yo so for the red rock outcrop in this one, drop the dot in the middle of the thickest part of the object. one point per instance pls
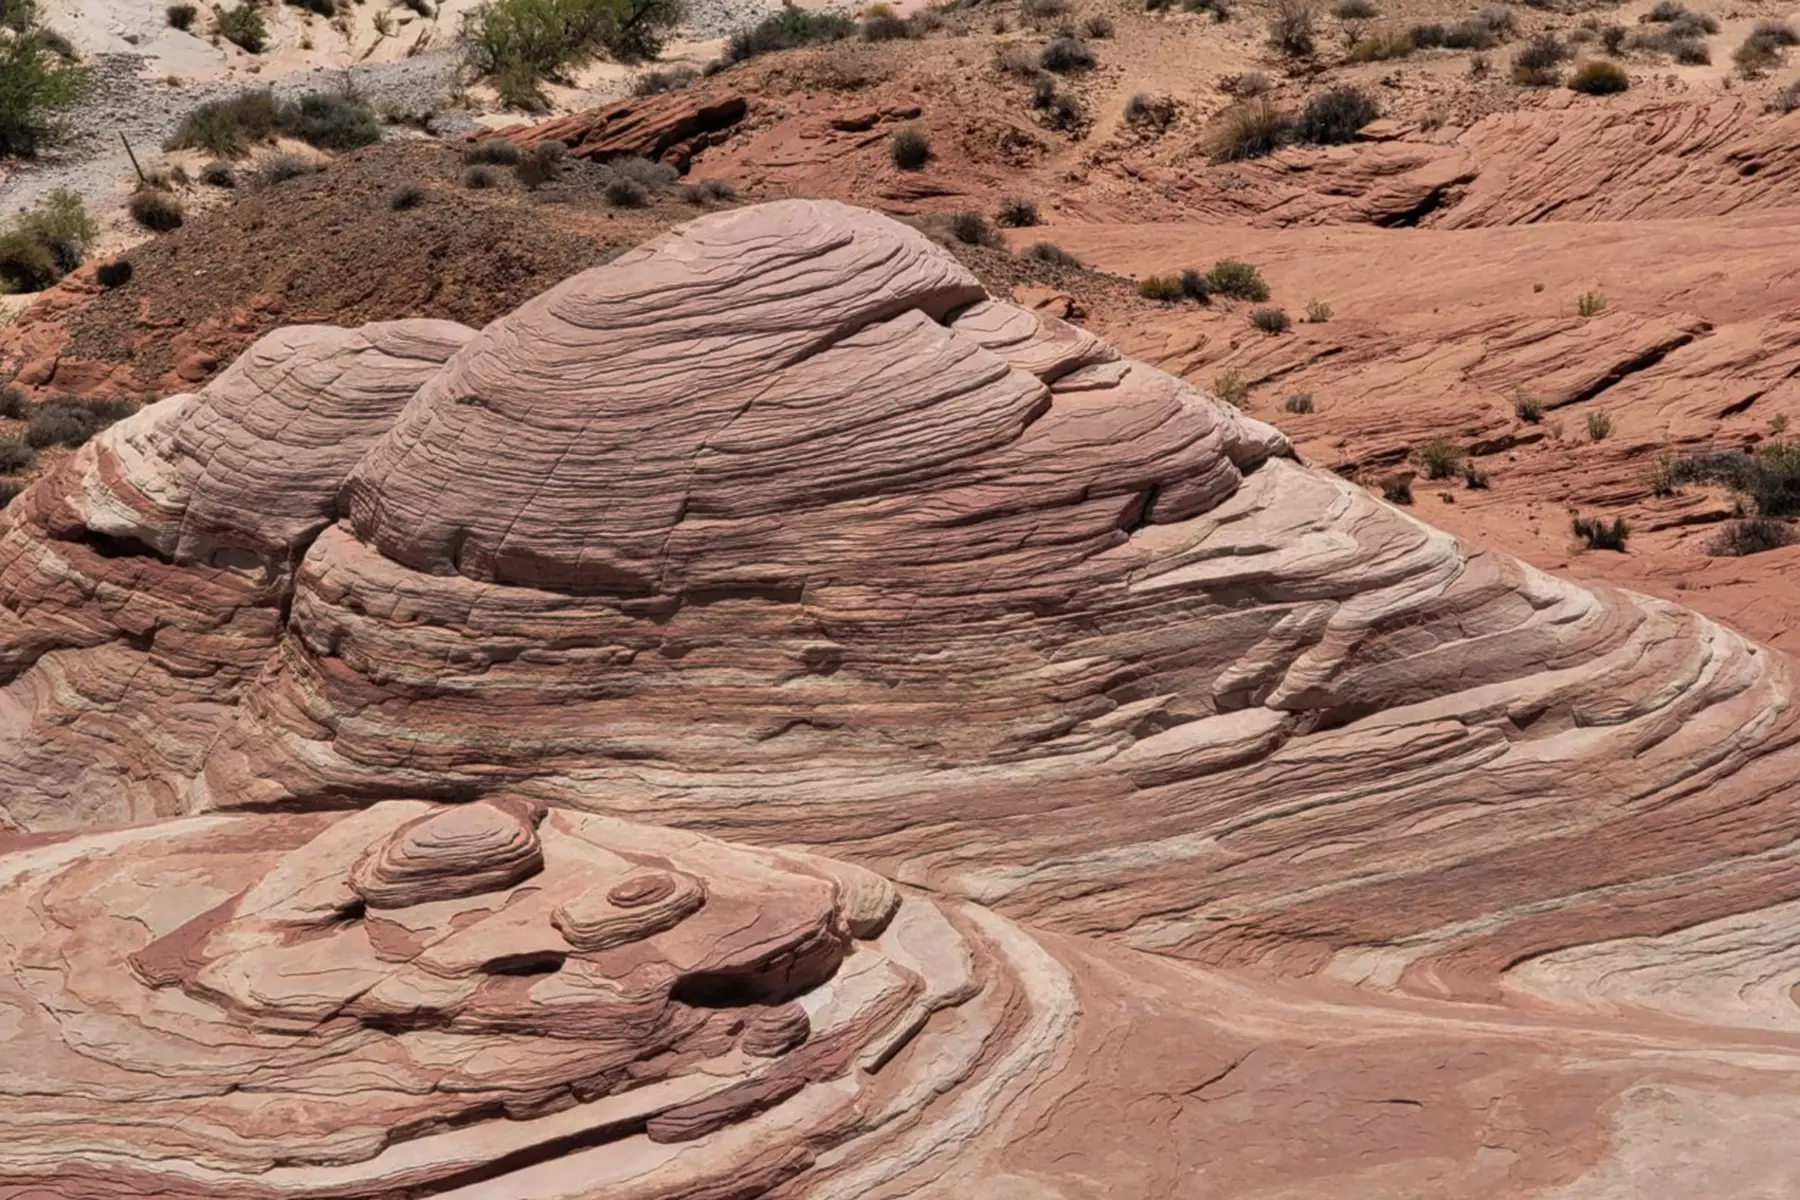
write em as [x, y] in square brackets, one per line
[780, 529]
[670, 127]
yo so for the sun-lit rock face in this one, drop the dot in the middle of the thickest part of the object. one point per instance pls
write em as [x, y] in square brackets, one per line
[779, 530]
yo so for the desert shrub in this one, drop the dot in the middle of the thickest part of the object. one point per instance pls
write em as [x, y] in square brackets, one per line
[479, 178]
[1427, 36]
[1774, 34]
[1017, 61]
[228, 127]
[1535, 65]
[63, 424]
[1040, 12]
[1396, 488]
[1231, 387]
[1335, 116]
[708, 191]
[1599, 535]
[181, 16]
[884, 29]
[497, 151]
[1528, 409]
[1751, 535]
[38, 83]
[1016, 212]
[1599, 425]
[1590, 304]
[1300, 403]
[1470, 35]
[1599, 77]
[1239, 280]
[1270, 320]
[910, 148]
[329, 122]
[115, 273]
[280, 168]
[218, 173]
[657, 176]
[1247, 86]
[540, 164]
[1098, 27]
[1664, 10]
[9, 492]
[1612, 39]
[1755, 59]
[1195, 286]
[1250, 130]
[1770, 478]
[13, 403]
[15, 456]
[26, 264]
[155, 210]
[1150, 112]
[1063, 111]
[972, 229]
[622, 191]
[243, 27]
[1291, 28]
[407, 196]
[1164, 289]
[1474, 478]
[1384, 45]
[1220, 9]
[1053, 255]
[57, 233]
[785, 30]
[1317, 312]
[1355, 10]
[1787, 99]
[519, 43]
[663, 79]
[1066, 55]
[1440, 458]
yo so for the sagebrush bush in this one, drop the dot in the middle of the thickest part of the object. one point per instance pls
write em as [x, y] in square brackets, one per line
[115, 273]
[1396, 488]
[663, 79]
[181, 16]
[1429, 35]
[479, 178]
[1355, 10]
[1099, 27]
[1334, 117]
[708, 191]
[1239, 280]
[1599, 77]
[43, 244]
[1016, 212]
[1063, 112]
[622, 191]
[1384, 45]
[785, 30]
[279, 168]
[1751, 535]
[972, 229]
[1252, 129]
[60, 423]
[243, 27]
[1053, 255]
[1439, 458]
[1150, 112]
[1196, 287]
[155, 210]
[910, 148]
[1590, 304]
[1599, 535]
[1300, 403]
[885, 29]
[495, 151]
[15, 456]
[1769, 478]
[1291, 28]
[1528, 409]
[1787, 99]
[1270, 320]
[520, 43]
[543, 162]
[1066, 55]
[1164, 289]
[228, 127]
[1535, 65]
[329, 122]
[407, 196]
[1599, 425]
[218, 173]
[1231, 387]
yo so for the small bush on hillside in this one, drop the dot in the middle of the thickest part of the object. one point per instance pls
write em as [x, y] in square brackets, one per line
[1271, 320]
[910, 149]
[228, 127]
[1396, 488]
[1775, 34]
[243, 27]
[1099, 27]
[1220, 9]
[1232, 388]
[155, 210]
[407, 196]
[1053, 255]
[1252, 129]
[1384, 45]
[1066, 55]
[1599, 425]
[1300, 403]
[1063, 112]
[218, 173]
[496, 151]
[543, 162]
[181, 16]
[62, 424]
[1535, 65]
[1770, 477]
[9, 492]
[1751, 535]
[1590, 304]
[59, 230]
[1040, 12]
[1355, 10]
[1164, 289]
[1470, 35]
[885, 29]
[1016, 212]
[785, 30]
[1291, 28]
[113, 274]
[1196, 287]
[663, 79]
[708, 191]
[15, 456]
[1599, 77]
[1787, 99]
[1528, 409]
[1155, 113]
[1601, 536]
[622, 191]
[280, 168]
[329, 122]
[13, 403]
[972, 229]
[1427, 36]
[1755, 60]
[1440, 458]
[38, 83]
[479, 178]
[1317, 312]
[1334, 117]
[1239, 280]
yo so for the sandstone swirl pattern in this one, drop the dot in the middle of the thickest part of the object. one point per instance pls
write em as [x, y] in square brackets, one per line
[1457, 879]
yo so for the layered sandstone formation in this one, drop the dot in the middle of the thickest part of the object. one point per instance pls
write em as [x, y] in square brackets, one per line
[781, 530]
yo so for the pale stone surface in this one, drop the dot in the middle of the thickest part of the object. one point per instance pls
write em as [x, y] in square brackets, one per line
[778, 529]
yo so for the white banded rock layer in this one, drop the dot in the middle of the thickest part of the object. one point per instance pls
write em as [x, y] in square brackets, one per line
[780, 529]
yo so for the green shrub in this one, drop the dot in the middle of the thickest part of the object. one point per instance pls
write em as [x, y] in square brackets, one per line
[1196, 287]
[62, 424]
[243, 27]
[1291, 28]
[1439, 458]
[26, 264]
[1066, 55]
[1601, 536]
[1239, 280]
[1528, 409]
[1770, 477]
[1599, 77]
[1535, 65]
[1053, 255]
[227, 128]
[155, 210]
[478, 178]
[1231, 387]
[15, 456]
[181, 16]
[1590, 304]
[1250, 130]
[14, 405]
[910, 149]
[785, 30]
[1270, 320]
[280, 168]
[330, 122]
[497, 151]
[1099, 27]
[1599, 425]
[1751, 535]
[1334, 117]
[972, 229]
[45, 243]
[1317, 312]
[1016, 212]
[1164, 289]
[37, 84]
[519, 43]
[622, 191]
